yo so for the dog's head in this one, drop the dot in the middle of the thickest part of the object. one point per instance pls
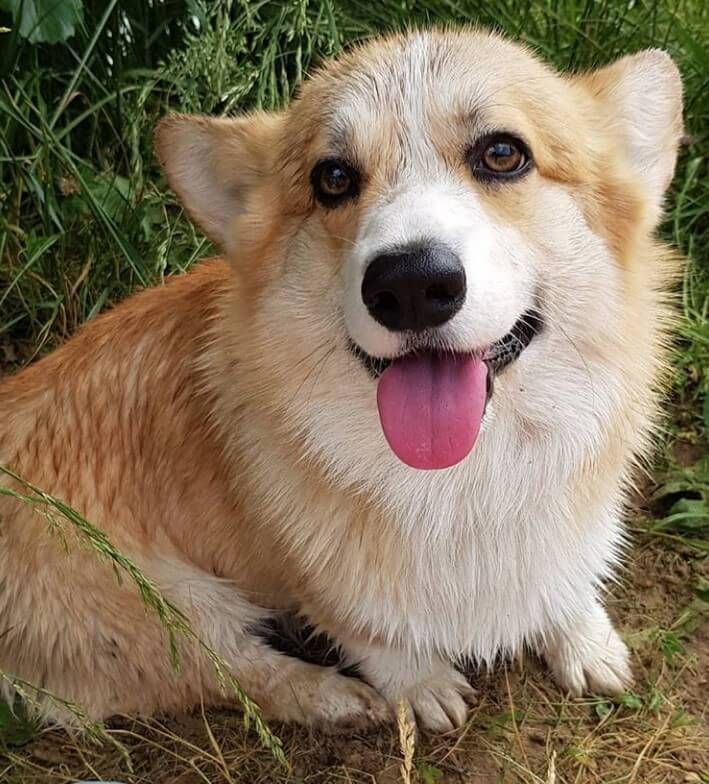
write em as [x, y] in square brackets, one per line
[435, 212]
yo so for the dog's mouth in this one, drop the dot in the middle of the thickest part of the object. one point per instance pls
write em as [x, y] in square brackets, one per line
[431, 401]
[497, 357]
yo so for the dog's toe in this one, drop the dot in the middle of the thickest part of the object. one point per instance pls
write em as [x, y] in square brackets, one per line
[323, 698]
[440, 703]
[592, 658]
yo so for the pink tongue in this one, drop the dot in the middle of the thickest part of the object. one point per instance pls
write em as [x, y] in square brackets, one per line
[431, 406]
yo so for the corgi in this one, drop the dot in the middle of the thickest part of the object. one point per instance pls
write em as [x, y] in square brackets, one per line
[406, 404]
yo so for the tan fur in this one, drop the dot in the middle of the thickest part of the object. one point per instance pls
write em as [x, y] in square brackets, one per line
[169, 422]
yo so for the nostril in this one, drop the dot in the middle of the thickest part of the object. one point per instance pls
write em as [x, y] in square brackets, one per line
[439, 293]
[385, 303]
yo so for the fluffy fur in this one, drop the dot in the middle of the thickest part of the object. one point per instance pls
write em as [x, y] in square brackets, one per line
[221, 433]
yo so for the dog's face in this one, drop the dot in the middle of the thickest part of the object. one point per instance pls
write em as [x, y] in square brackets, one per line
[436, 216]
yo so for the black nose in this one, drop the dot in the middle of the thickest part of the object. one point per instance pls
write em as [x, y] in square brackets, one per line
[414, 288]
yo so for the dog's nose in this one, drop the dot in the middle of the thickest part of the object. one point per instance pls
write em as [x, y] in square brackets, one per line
[414, 288]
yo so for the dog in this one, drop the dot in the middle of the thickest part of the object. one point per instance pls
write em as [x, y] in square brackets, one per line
[406, 404]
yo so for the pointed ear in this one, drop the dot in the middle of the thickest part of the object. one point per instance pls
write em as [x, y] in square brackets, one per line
[212, 163]
[642, 96]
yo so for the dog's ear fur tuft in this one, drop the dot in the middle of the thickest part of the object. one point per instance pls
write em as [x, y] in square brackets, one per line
[641, 95]
[212, 163]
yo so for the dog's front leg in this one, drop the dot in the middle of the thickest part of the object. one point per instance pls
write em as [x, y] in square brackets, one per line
[588, 655]
[434, 693]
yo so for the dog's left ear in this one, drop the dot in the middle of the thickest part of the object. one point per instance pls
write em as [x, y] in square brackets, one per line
[211, 164]
[642, 96]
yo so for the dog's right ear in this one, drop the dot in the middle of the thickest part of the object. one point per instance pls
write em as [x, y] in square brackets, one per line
[212, 163]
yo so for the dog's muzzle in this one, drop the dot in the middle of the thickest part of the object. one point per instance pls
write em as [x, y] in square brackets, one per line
[499, 356]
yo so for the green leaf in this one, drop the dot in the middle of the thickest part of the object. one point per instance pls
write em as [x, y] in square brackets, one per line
[502, 721]
[655, 700]
[15, 728]
[603, 709]
[690, 506]
[45, 21]
[670, 645]
[631, 700]
[111, 192]
[428, 773]
[687, 514]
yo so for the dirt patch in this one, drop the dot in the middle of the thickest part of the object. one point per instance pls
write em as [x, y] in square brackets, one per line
[521, 730]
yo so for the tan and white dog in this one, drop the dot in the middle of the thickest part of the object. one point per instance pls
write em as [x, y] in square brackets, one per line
[311, 425]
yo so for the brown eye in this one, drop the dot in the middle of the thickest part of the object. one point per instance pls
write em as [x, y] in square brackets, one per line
[503, 157]
[334, 181]
[500, 157]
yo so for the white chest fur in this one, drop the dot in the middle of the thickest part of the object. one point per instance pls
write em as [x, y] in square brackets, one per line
[474, 560]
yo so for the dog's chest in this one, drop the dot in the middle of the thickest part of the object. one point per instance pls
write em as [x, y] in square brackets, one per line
[454, 579]
[474, 560]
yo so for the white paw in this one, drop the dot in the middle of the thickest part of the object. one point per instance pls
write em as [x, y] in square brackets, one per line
[322, 697]
[591, 658]
[439, 702]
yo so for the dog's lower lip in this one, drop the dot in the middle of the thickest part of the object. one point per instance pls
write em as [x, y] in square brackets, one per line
[497, 357]
[375, 366]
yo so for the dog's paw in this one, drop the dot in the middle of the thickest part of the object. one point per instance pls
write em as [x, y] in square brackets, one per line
[440, 702]
[591, 658]
[322, 698]
[348, 703]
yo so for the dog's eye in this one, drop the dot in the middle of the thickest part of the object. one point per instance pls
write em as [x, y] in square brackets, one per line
[499, 157]
[503, 157]
[334, 181]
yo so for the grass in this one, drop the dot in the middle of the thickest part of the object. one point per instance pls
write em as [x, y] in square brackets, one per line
[85, 218]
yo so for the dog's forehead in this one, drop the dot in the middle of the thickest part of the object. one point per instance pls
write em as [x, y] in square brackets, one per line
[400, 92]
[419, 87]
[414, 72]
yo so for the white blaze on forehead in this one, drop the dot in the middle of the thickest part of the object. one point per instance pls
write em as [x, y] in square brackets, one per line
[499, 273]
[394, 103]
